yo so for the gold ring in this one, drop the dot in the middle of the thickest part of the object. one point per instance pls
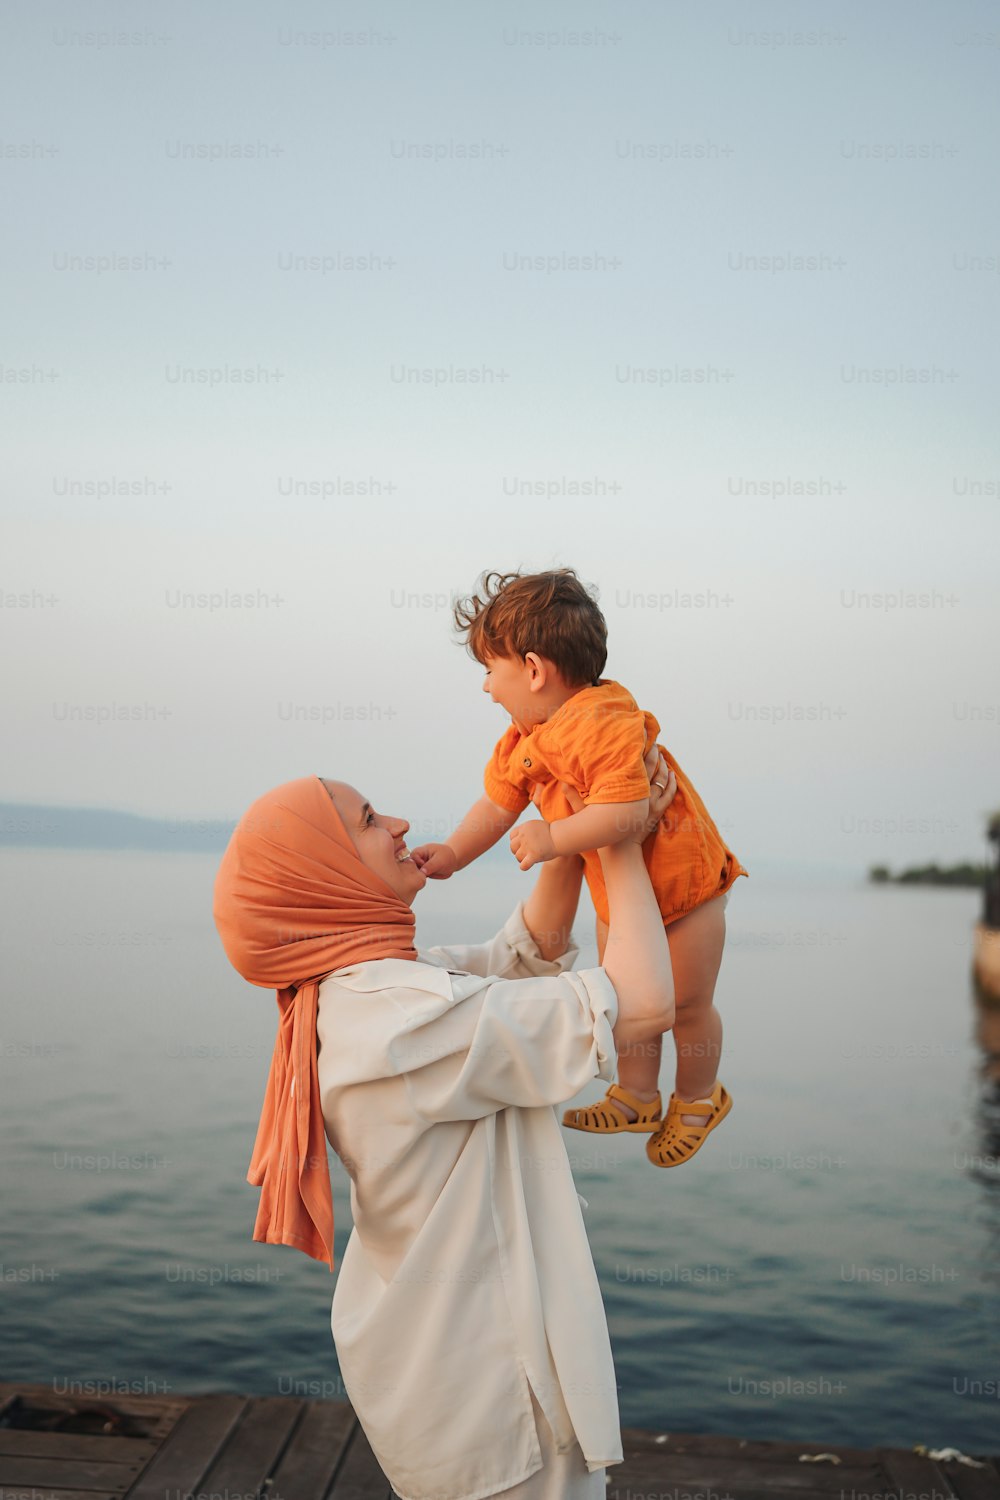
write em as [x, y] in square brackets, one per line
[661, 784]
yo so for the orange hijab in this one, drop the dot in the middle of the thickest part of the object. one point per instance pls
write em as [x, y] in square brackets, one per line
[293, 902]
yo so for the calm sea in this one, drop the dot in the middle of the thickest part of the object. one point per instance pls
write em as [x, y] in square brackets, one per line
[826, 1270]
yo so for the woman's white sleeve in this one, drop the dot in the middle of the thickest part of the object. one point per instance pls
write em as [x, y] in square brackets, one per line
[524, 1042]
[512, 953]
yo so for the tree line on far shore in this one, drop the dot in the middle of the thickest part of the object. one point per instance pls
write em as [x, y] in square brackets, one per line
[966, 874]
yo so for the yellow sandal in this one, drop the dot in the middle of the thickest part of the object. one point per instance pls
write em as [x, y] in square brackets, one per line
[676, 1142]
[604, 1121]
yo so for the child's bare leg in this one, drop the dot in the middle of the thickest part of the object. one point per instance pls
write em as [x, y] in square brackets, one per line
[696, 942]
[638, 1065]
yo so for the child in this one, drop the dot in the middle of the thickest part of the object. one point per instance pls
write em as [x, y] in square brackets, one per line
[543, 642]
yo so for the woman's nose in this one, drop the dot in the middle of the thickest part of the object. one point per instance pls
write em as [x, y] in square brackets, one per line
[400, 825]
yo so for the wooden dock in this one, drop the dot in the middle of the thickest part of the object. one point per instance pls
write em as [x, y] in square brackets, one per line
[72, 1447]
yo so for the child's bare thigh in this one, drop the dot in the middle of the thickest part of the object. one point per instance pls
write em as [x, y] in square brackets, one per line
[696, 942]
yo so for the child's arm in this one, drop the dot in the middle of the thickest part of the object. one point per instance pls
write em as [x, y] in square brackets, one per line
[479, 830]
[596, 827]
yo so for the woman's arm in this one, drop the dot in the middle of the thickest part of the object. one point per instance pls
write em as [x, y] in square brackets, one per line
[637, 958]
[551, 907]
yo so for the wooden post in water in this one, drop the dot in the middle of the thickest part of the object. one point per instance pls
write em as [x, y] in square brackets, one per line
[986, 960]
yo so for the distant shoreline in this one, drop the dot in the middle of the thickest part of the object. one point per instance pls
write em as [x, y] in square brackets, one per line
[42, 826]
[39, 826]
[968, 876]
[36, 826]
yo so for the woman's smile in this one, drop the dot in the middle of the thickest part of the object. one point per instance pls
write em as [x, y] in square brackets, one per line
[379, 839]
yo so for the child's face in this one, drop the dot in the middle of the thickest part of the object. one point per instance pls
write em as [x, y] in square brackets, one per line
[509, 682]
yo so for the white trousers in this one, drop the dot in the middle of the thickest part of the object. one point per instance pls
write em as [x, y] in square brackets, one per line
[563, 1476]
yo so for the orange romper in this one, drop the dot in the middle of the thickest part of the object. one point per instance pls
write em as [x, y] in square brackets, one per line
[596, 742]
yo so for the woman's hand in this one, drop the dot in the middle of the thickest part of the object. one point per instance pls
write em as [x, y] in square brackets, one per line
[661, 796]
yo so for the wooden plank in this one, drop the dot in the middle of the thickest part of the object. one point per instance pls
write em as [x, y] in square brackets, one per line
[67, 1445]
[704, 1471]
[636, 1485]
[193, 1444]
[80, 1473]
[307, 1467]
[359, 1477]
[912, 1477]
[317, 1450]
[148, 1408]
[742, 1448]
[746, 1470]
[73, 1452]
[632, 1480]
[46, 1494]
[973, 1484]
[254, 1447]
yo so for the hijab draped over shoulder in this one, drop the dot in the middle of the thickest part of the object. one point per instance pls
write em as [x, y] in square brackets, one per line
[293, 902]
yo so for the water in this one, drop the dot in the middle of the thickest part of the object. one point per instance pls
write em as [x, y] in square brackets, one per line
[825, 1271]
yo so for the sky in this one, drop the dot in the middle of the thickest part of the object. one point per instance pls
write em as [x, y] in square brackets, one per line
[314, 313]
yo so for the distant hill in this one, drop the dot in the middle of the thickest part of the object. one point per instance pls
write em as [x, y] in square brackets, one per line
[32, 825]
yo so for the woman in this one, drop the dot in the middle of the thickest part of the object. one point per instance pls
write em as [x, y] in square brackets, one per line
[467, 1316]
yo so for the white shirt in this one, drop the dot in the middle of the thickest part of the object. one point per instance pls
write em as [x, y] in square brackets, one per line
[468, 1272]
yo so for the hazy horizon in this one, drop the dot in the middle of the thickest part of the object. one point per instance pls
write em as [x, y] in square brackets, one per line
[101, 829]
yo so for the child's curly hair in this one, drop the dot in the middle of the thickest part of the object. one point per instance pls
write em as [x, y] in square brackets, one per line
[552, 613]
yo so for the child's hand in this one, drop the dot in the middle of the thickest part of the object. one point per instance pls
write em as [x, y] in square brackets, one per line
[531, 843]
[438, 861]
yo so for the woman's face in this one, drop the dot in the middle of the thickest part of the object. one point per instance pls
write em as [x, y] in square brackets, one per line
[379, 840]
